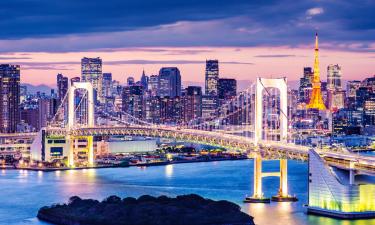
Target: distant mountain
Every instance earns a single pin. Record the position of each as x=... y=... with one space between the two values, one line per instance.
x=32 y=89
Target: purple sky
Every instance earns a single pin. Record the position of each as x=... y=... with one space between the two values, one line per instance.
x=250 y=38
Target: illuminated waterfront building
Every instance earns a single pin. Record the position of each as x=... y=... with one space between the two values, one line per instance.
x=316 y=100
x=212 y=77
x=334 y=193
x=9 y=98
x=91 y=69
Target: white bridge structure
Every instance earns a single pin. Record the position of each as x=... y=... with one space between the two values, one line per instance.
x=246 y=123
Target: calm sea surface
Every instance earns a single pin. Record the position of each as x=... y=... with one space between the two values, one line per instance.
x=22 y=193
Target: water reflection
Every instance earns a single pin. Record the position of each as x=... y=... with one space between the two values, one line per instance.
x=169 y=171
x=24 y=192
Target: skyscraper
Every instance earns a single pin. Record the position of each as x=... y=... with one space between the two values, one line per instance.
x=316 y=100
x=227 y=88
x=74 y=79
x=192 y=103
x=334 y=77
x=9 y=98
x=305 y=86
x=130 y=81
x=107 y=84
x=144 y=80
x=335 y=94
x=169 y=82
x=92 y=72
x=132 y=100
x=153 y=85
x=62 y=86
x=212 y=77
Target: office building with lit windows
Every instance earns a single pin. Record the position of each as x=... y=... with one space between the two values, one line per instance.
x=212 y=77
x=91 y=69
x=9 y=98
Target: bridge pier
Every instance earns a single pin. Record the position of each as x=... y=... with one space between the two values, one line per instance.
x=71 y=151
x=283 y=195
x=258 y=196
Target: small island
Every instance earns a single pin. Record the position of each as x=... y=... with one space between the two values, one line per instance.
x=146 y=210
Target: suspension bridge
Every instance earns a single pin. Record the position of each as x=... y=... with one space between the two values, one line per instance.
x=256 y=121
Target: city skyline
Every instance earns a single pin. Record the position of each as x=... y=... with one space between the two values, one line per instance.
x=241 y=35
x=192 y=67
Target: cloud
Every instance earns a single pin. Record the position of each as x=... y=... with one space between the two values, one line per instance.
x=13 y=58
x=66 y=65
x=315 y=11
x=274 y=56
x=74 y=25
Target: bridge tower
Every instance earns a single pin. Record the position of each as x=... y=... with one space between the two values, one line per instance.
x=261 y=85
x=71 y=120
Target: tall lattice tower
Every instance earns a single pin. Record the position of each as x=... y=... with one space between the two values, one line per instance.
x=316 y=100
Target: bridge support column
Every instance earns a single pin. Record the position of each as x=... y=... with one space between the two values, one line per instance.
x=70 y=151
x=258 y=196
x=90 y=143
x=283 y=195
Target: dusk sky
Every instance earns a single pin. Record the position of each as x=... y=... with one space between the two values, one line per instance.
x=249 y=38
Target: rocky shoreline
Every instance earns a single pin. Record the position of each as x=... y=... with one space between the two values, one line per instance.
x=146 y=210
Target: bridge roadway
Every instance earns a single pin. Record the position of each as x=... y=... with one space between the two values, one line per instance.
x=268 y=149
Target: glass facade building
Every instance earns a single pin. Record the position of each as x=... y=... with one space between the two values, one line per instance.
x=91 y=69
x=212 y=77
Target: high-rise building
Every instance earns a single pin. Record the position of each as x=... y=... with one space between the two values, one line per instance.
x=171 y=110
x=153 y=85
x=74 y=79
x=130 y=81
x=92 y=72
x=227 y=88
x=192 y=103
x=316 y=100
x=334 y=76
x=212 y=77
x=305 y=87
x=43 y=112
x=351 y=89
x=23 y=93
x=144 y=80
x=209 y=106
x=9 y=98
x=169 y=82
x=107 y=85
x=62 y=86
x=335 y=94
x=151 y=105
x=132 y=101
